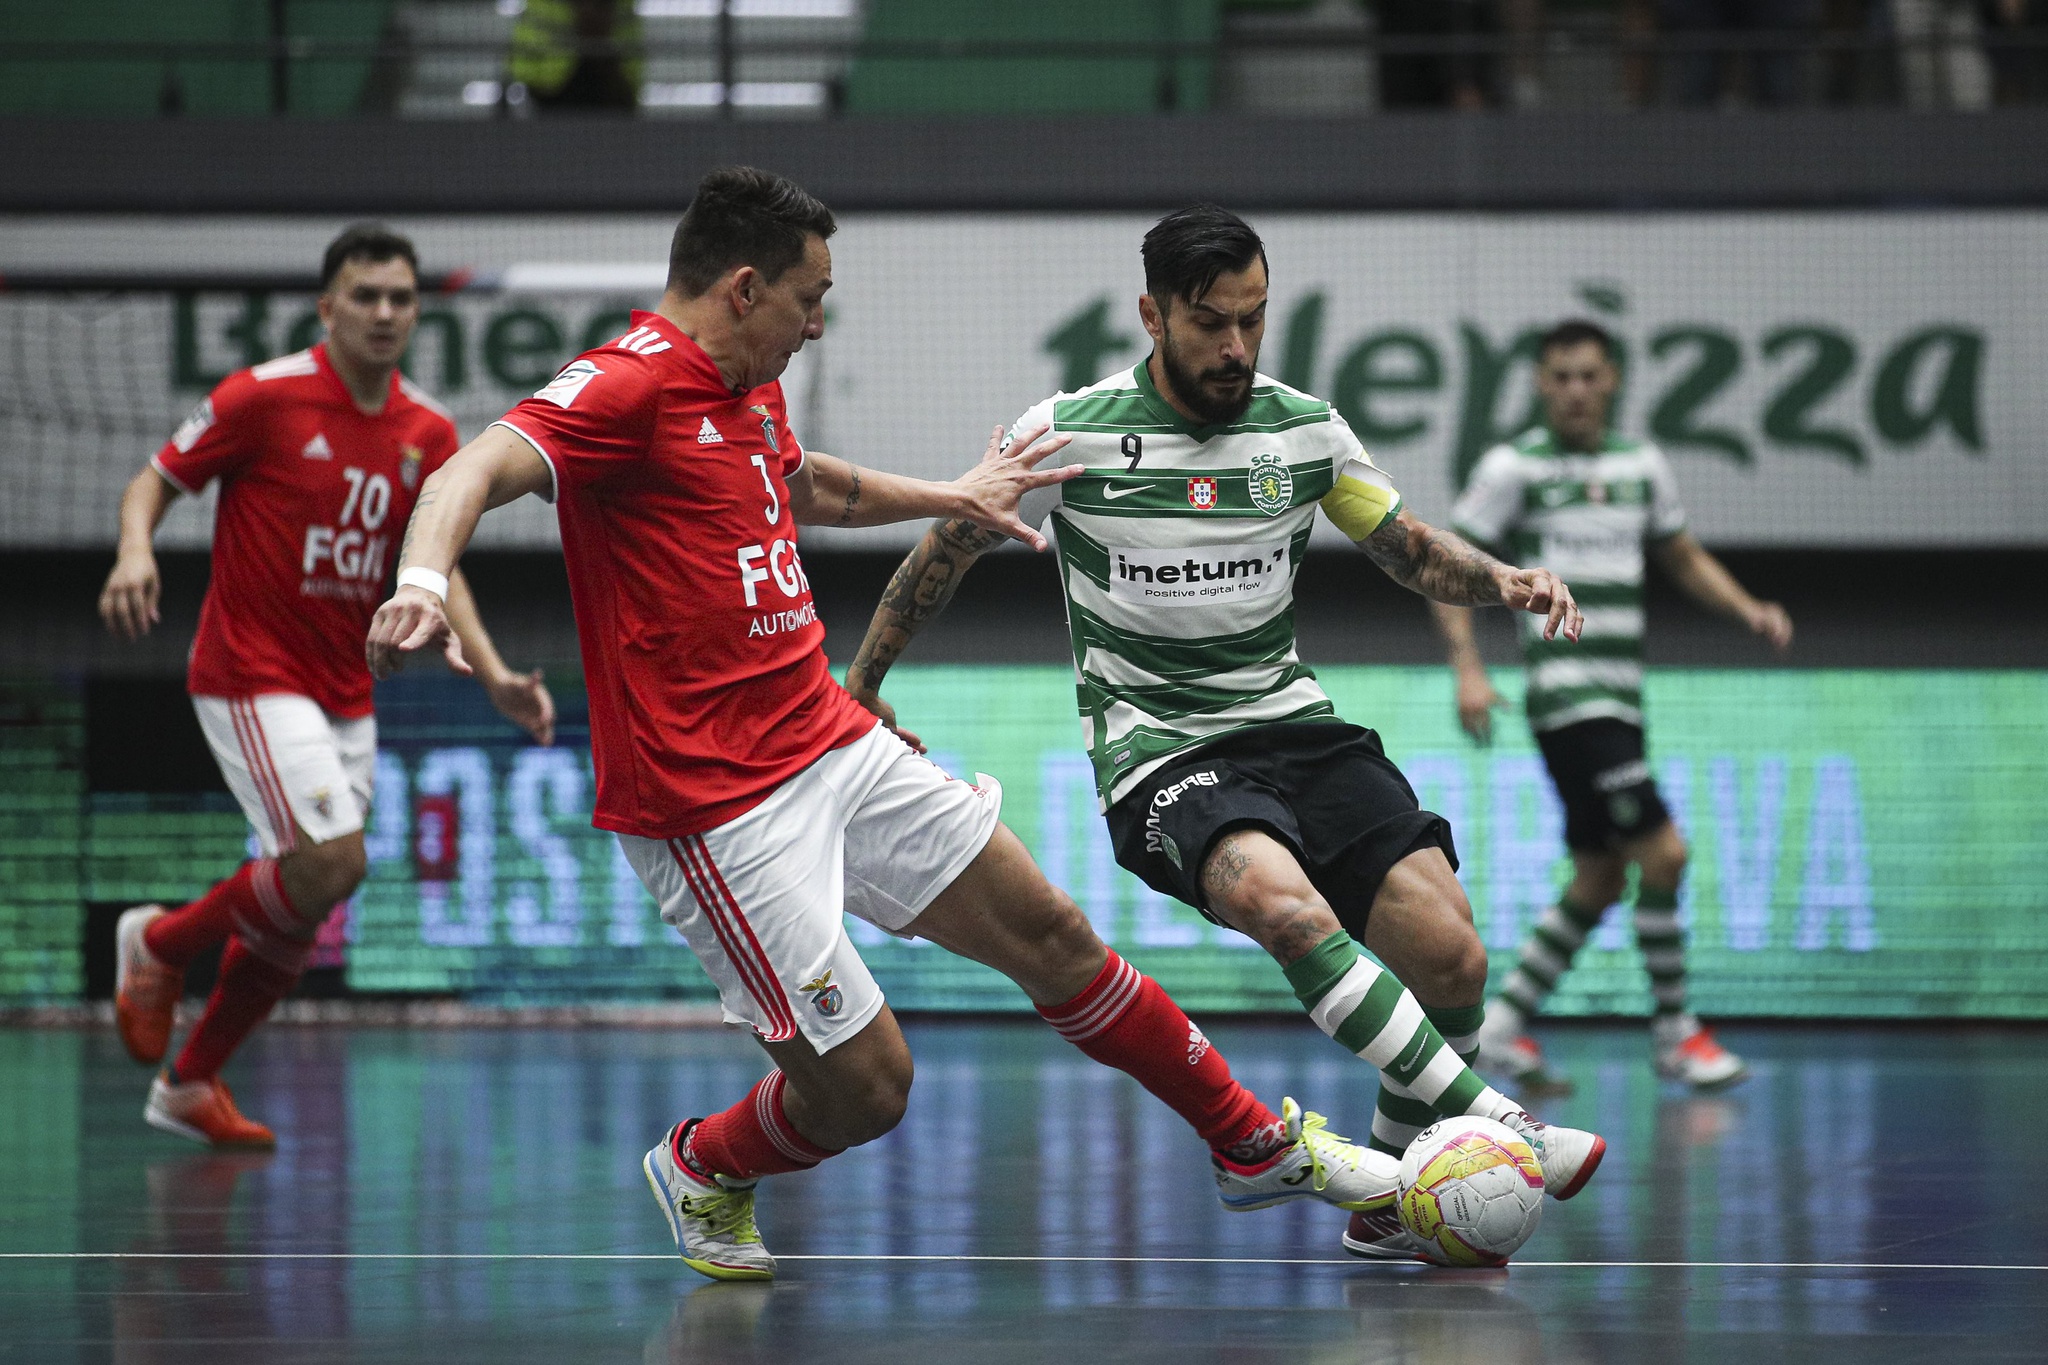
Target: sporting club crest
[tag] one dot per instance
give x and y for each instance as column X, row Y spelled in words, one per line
column 1201, row 494
column 1272, row 484
column 409, row 458
column 826, row 996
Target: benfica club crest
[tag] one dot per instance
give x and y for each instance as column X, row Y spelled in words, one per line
column 409, row 458
column 767, row 425
column 826, row 997
column 1201, row 494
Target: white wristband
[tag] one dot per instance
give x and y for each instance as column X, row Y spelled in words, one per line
column 435, row 583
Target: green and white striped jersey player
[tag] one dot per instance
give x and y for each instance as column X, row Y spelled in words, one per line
column 1178, row 550
column 1586, row 516
column 1594, row 506
column 1227, row 778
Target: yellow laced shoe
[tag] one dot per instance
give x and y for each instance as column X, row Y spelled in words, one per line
column 713, row 1223
column 1319, row 1164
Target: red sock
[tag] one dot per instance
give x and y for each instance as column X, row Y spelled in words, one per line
column 175, row 939
column 248, row 989
column 752, row 1139
column 1126, row 1020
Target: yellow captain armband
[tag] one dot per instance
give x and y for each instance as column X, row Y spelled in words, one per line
column 1362, row 500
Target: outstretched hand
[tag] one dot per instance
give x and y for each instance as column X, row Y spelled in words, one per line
column 129, row 602
column 524, row 699
column 1006, row 473
column 1542, row 593
column 1476, row 700
column 1774, row 623
column 414, row 619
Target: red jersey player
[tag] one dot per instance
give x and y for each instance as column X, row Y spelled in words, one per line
column 319, row 455
column 754, row 797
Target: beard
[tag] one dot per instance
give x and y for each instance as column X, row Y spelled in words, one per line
column 1191, row 386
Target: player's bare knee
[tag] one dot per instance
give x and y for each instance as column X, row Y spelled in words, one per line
column 1065, row 937
column 1599, row 886
column 321, row 876
column 1663, row 861
column 877, row 1103
column 1458, row 973
column 1275, row 906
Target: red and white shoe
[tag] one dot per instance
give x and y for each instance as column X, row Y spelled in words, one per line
column 1377, row 1234
column 1507, row 1051
column 1687, row 1051
column 205, row 1112
column 146, row 991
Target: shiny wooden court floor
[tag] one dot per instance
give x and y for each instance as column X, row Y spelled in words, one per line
column 444, row 1197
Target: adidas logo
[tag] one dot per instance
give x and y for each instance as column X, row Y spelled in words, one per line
column 317, row 448
column 708, row 435
column 642, row 341
column 1198, row 1046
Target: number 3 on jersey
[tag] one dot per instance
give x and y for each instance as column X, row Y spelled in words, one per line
column 356, row 552
column 774, row 499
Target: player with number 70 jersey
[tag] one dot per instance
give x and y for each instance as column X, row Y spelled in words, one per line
column 314, row 496
column 320, row 456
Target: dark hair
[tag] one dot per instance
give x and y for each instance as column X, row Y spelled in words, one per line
column 743, row 216
column 366, row 242
column 1575, row 332
column 1187, row 249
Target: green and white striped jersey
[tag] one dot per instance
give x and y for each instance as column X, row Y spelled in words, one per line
column 1586, row 517
column 1178, row 549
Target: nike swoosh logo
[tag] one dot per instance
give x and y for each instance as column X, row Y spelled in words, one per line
column 1413, row 1057
column 1112, row 494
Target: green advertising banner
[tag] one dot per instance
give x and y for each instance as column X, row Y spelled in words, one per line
column 1864, row 844
column 1817, row 378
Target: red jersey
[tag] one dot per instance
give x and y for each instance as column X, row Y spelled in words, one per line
column 314, row 497
column 702, row 651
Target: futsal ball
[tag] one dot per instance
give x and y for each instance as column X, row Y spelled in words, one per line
column 1473, row 1189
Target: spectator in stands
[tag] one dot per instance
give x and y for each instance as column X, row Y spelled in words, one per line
column 1940, row 62
column 2016, row 41
column 577, row 54
column 1418, row 80
column 1778, row 75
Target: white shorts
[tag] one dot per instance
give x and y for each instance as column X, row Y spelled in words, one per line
column 292, row 765
column 872, row 829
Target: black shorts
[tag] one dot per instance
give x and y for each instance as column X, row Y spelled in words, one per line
column 1325, row 789
column 1604, row 782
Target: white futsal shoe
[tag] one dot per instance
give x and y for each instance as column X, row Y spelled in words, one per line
column 1688, row 1052
column 1569, row 1155
column 713, row 1222
column 1319, row 1164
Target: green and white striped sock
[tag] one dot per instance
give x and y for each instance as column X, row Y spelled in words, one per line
column 1663, row 946
column 1547, row 953
column 1400, row 1114
column 1371, row 1014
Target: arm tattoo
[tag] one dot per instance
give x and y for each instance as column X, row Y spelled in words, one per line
column 852, row 497
column 1436, row 563
column 922, row 586
column 425, row 500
